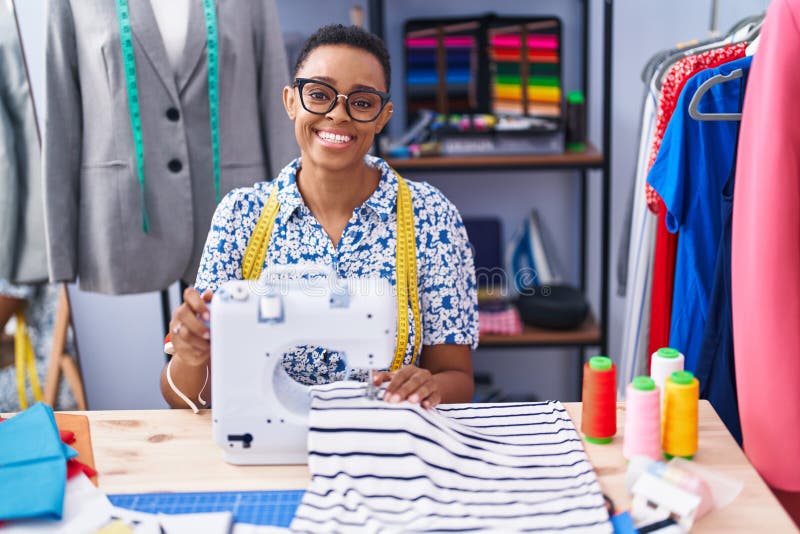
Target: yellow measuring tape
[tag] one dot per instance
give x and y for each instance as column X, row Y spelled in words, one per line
column 406, row 264
column 25, row 359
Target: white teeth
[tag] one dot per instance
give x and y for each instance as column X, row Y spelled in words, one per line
column 334, row 138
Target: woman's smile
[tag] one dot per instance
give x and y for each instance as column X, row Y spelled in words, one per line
column 335, row 139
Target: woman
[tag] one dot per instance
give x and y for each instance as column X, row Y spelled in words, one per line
column 337, row 206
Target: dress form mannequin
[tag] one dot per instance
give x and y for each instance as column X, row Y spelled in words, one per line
column 179, row 185
column 172, row 17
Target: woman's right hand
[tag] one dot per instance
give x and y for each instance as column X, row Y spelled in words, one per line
column 188, row 331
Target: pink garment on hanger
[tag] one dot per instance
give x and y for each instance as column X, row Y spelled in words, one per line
column 766, row 253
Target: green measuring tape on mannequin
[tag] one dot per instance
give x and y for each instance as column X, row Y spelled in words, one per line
column 129, row 61
column 406, row 264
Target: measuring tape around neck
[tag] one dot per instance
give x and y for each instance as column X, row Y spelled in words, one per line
column 129, row 61
column 406, row 264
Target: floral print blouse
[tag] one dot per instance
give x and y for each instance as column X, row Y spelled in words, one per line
column 445, row 268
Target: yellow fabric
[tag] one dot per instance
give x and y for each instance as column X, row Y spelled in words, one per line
column 406, row 263
column 535, row 93
column 25, row 360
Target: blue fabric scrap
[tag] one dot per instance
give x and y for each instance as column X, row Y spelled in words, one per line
column 33, row 465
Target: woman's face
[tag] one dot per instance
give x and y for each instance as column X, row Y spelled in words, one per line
column 334, row 141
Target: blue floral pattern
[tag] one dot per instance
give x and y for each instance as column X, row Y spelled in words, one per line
column 445, row 268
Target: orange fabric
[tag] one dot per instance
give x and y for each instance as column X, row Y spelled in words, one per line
column 78, row 426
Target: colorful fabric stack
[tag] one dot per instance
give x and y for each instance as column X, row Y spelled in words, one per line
column 544, row 67
column 506, row 322
column 422, row 74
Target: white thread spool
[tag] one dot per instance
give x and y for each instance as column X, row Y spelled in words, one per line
column 663, row 363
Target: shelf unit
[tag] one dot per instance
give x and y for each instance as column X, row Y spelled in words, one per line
column 591, row 158
column 586, row 335
column 594, row 331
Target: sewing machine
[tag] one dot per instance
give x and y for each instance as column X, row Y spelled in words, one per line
column 260, row 414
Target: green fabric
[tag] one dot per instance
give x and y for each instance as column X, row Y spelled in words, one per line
column 540, row 81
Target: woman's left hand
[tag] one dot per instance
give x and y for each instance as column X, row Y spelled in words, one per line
column 411, row 383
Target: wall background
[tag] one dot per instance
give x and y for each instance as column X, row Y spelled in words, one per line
column 119, row 338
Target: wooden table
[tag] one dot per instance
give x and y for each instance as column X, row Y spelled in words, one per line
column 172, row 450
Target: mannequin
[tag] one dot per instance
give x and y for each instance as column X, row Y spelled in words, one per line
column 95, row 196
column 172, row 18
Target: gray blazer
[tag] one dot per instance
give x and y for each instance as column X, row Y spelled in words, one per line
column 92, row 195
column 23, row 257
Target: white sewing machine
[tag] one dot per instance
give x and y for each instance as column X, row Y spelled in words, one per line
column 260, row 414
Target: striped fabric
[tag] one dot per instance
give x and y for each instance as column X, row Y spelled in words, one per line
column 473, row 467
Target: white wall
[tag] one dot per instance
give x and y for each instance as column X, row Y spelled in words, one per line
column 120, row 337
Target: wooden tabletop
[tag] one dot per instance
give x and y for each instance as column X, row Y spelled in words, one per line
column 172, row 450
column 755, row 510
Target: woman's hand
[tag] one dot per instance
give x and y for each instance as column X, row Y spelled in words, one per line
column 444, row 375
column 188, row 331
column 411, row 383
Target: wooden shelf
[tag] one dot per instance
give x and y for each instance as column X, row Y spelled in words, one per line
column 591, row 158
column 587, row 334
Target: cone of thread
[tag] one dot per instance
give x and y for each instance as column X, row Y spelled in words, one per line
column 642, row 419
column 663, row 363
column 599, row 415
column 680, row 415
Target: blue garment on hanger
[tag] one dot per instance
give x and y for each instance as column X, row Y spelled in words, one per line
column 33, row 465
column 690, row 174
column 702, row 209
column 715, row 365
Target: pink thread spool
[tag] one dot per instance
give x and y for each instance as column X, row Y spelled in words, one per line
column 642, row 419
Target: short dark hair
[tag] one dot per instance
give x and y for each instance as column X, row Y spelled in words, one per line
column 355, row 36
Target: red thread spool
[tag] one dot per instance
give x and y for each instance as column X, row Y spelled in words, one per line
column 599, row 419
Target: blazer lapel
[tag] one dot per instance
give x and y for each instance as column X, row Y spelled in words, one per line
column 145, row 31
column 196, row 39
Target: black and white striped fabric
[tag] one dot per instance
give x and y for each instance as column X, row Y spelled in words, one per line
column 380, row 467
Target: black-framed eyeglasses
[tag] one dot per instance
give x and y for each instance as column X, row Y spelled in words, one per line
column 318, row 97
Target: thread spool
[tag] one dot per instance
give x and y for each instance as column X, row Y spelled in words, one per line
column 599, row 419
column 680, row 415
column 642, row 419
column 663, row 363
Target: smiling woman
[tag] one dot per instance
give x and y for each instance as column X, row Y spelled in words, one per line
column 339, row 207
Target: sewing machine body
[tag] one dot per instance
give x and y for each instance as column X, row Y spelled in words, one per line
column 260, row 414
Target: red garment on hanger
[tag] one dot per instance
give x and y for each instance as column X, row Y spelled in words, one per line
column 666, row 250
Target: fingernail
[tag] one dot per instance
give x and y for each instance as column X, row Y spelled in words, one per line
column 414, row 398
column 206, row 316
column 206, row 335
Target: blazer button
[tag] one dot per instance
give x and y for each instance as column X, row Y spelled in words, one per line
column 173, row 114
column 175, row 165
